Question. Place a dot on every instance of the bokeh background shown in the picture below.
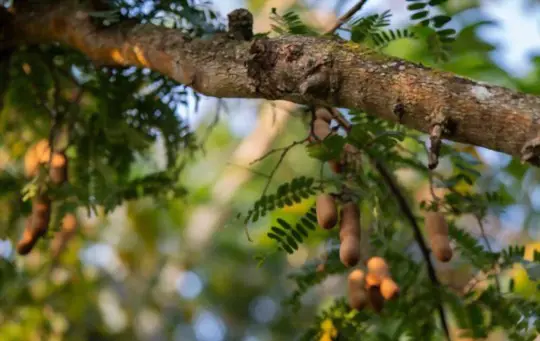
(184, 269)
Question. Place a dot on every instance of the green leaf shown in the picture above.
(416, 6)
(301, 229)
(278, 231)
(440, 20)
(297, 236)
(447, 32)
(419, 15)
(307, 223)
(292, 242)
(283, 223)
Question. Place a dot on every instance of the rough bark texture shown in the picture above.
(301, 69)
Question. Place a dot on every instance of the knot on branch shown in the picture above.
(241, 24)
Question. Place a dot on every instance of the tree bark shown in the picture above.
(301, 69)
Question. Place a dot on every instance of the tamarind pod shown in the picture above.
(41, 214)
(43, 151)
(31, 162)
(389, 289)
(440, 246)
(437, 230)
(350, 221)
(69, 225)
(349, 234)
(58, 169)
(357, 293)
(321, 129)
(350, 149)
(349, 251)
(376, 300)
(378, 266)
(336, 166)
(324, 114)
(373, 280)
(27, 241)
(327, 214)
(356, 279)
(358, 299)
(436, 224)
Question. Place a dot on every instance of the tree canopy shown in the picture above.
(388, 190)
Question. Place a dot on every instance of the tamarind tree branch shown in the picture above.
(405, 208)
(302, 69)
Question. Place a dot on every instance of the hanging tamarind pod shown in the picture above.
(357, 294)
(349, 234)
(58, 168)
(41, 214)
(327, 213)
(28, 240)
(437, 230)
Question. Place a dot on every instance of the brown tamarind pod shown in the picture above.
(336, 166)
(376, 300)
(41, 214)
(324, 114)
(58, 168)
(349, 234)
(350, 221)
(43, 151)
(373, 280)
(349, 251)
(327, 214)
(321, 129)
(378, 267)
(31, 162)
(27, 241)
(389, 289)
(440, 245)
(69, 226)
(437, 230)
(357, 293)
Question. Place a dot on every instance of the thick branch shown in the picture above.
(314, 70)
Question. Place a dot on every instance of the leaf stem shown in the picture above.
(345, 17)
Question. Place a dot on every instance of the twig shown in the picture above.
(210, 128)
(345, 17)
(275, 150)
(404, 206)
(284, 152)
(490, 249)
(261, 174)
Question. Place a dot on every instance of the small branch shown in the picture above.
(210, 128)
(284, 152)
(490, 249)
(275, 150)
(345, 17)
(404, 206)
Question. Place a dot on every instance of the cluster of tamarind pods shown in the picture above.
(377, 285)
(37, 224)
